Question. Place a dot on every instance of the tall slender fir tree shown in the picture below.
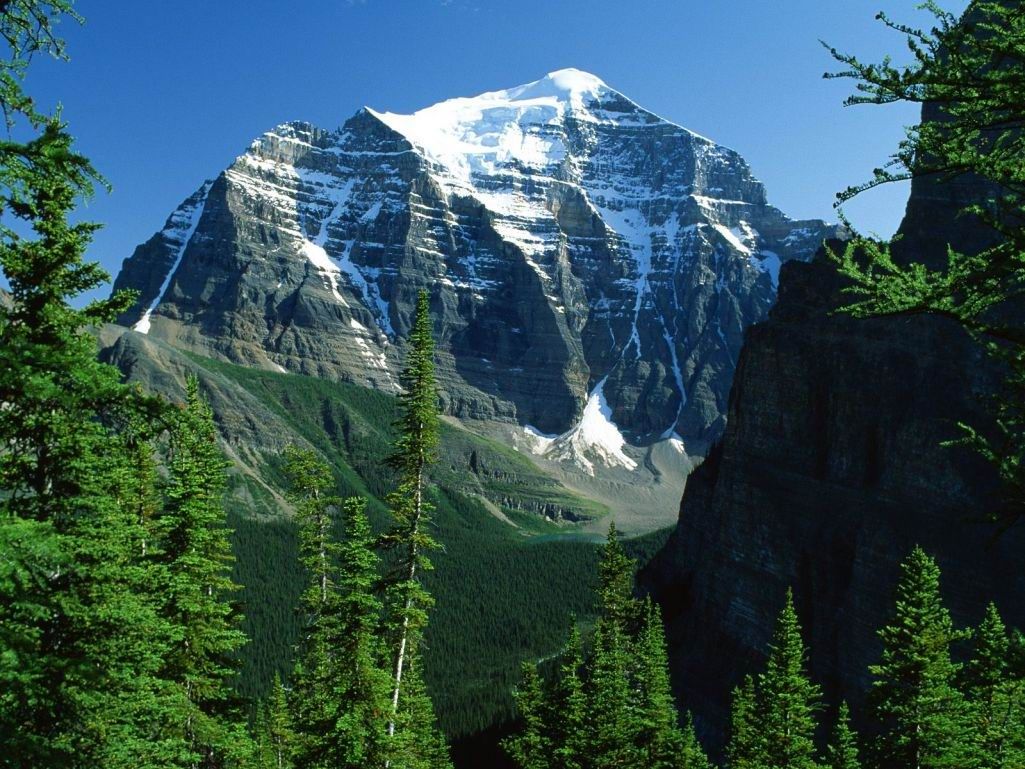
(81, 637)
(996, 696)
(314, 701)
(195, 547)
(786, 700)
(410, 538)
(924, 718)
(842, 751)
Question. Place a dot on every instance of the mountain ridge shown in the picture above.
(580, 250)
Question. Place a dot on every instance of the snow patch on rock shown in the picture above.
(178, 234)
(595, 438)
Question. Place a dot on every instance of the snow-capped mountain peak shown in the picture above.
(592, 265)
(513, 127)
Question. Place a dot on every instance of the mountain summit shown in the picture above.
(592, 266)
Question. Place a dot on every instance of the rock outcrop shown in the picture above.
(579, 250)
(831, 468)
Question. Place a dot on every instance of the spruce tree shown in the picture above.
(842, 751)
(613, 723)
(743, 750)
(996, 694)
(361, 683)
(614, 720)
(568, 708)
(314, 701)
(923, 717)
(614, 709)
(340, 696)
(417, 742)
(692, 755)
(616, 584)
(195, 547)
(81, 637)
(274, 736)
(531, 748)
(410, 537)
(662, 743)
(786, 700)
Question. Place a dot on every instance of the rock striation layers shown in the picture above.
(830, 470)
(587, 259)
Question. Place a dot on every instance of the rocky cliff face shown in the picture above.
(830, 470)
(592, 266)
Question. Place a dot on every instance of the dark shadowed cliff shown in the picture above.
(830, 470)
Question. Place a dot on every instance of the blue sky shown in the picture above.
(164, 95)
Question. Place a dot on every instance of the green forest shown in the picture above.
(361, 604)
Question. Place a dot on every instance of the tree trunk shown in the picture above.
(410, 576)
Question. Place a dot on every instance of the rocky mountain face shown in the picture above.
(830, 470)
(592, 266)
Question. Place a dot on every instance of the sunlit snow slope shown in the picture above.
(592, 265)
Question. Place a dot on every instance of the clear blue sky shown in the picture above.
(162, 95)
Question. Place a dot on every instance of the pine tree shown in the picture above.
(786, 700)
(314, 701)
(616, 584)
(274, 736)
(692, 755)
(417, 742)
(923, 716)
(842, 751)
(410, 537)
(81, 639)
(662, 743)
(196, 550)
(568, 708)
(743, 750)
(340, 698)
(614, 720)
(614, 709)
(361, 684)
(531, 748)
(997, 696)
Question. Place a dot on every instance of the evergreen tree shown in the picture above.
(310, 485)
(274, 738)
(744, 750)
(569, 717)
(614, 720)
(613, 727)
(786, 700)
(842, 751)
(417, 742)
(410, 536)
(531, 748)
(81, 637)
(362, 684)
(340, 698)
(660, 740)
(692, 755)
(616, 584)
(314, 701)
(997, 696)
(614, 709)
(923, 716)
(196, 550)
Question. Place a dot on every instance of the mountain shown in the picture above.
(832, 467)
(592, 266)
